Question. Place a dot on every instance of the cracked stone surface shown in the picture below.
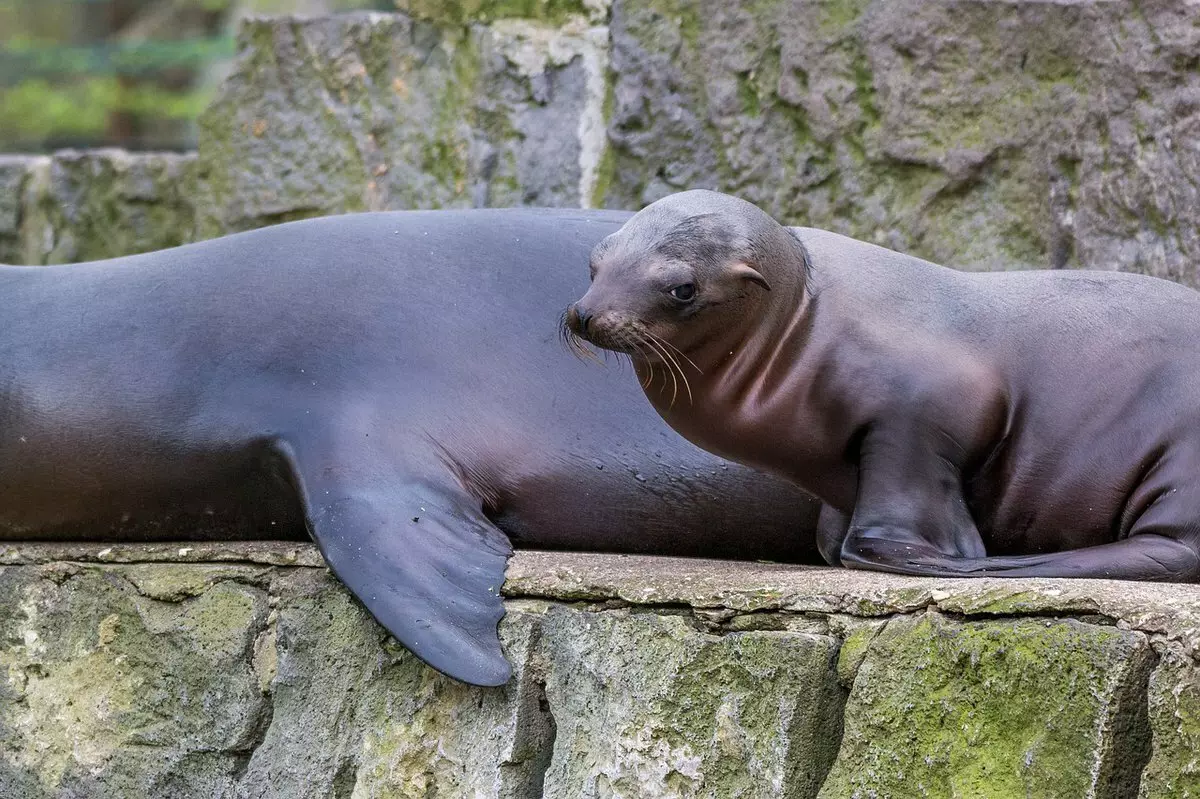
(245, 669)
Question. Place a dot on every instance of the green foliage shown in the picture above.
(25, 58)
(37, 109)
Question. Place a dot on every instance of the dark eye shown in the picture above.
(684, 292)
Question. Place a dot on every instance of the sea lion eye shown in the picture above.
(684, 292)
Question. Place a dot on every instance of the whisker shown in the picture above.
(662, 340)
(669, 362)
(629, 341)
(573, 344)
(662, 344)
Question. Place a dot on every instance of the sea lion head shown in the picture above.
(682, 270)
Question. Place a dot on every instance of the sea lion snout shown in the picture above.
(578, 319)
(602, 327)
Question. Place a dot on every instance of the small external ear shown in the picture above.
(747, 272)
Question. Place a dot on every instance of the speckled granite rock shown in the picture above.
(237, 670)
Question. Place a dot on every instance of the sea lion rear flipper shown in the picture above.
(419, 554)
(1142, 557)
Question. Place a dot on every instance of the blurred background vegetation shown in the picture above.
(124, 73)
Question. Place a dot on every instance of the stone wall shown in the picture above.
(85, 205)
(980, 134)
(247, 670)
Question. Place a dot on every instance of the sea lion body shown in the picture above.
(1023, 423)
(393, 382)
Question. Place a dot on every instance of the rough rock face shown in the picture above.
(86, 205)
(240, 670)
(978, 134)
(374, 111)
(942, 708)
(14, 171)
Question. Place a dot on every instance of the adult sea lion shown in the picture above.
(394, 382)
(1021, 423)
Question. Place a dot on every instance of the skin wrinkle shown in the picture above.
(945, 415)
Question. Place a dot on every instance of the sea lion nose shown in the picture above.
(581, 317)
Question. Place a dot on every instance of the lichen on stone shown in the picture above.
(993, 709)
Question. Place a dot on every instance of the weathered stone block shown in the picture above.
(1174, 768)
(648, 706)
(1021, 708)
(383, 111)
(356, 714)
(87, 205)
(106, 692)
(14, 174)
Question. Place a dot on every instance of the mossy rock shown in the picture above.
(92, 204)
(404, 113)
(462, 12)
(1016, 708)
(1174, 702)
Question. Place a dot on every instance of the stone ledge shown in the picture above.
(238, 669)
(723, 587)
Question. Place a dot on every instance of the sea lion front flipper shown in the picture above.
(418, 552)
(910, 501)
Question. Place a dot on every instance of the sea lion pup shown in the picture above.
(1015, 423)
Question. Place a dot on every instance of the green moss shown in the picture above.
(461, 12)
(836, 16)
(748, 92)
(607, 168)
(690, 24)
(445, 153)
(854, 650)
(864, 90)
(605, 171)
(943, 709)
